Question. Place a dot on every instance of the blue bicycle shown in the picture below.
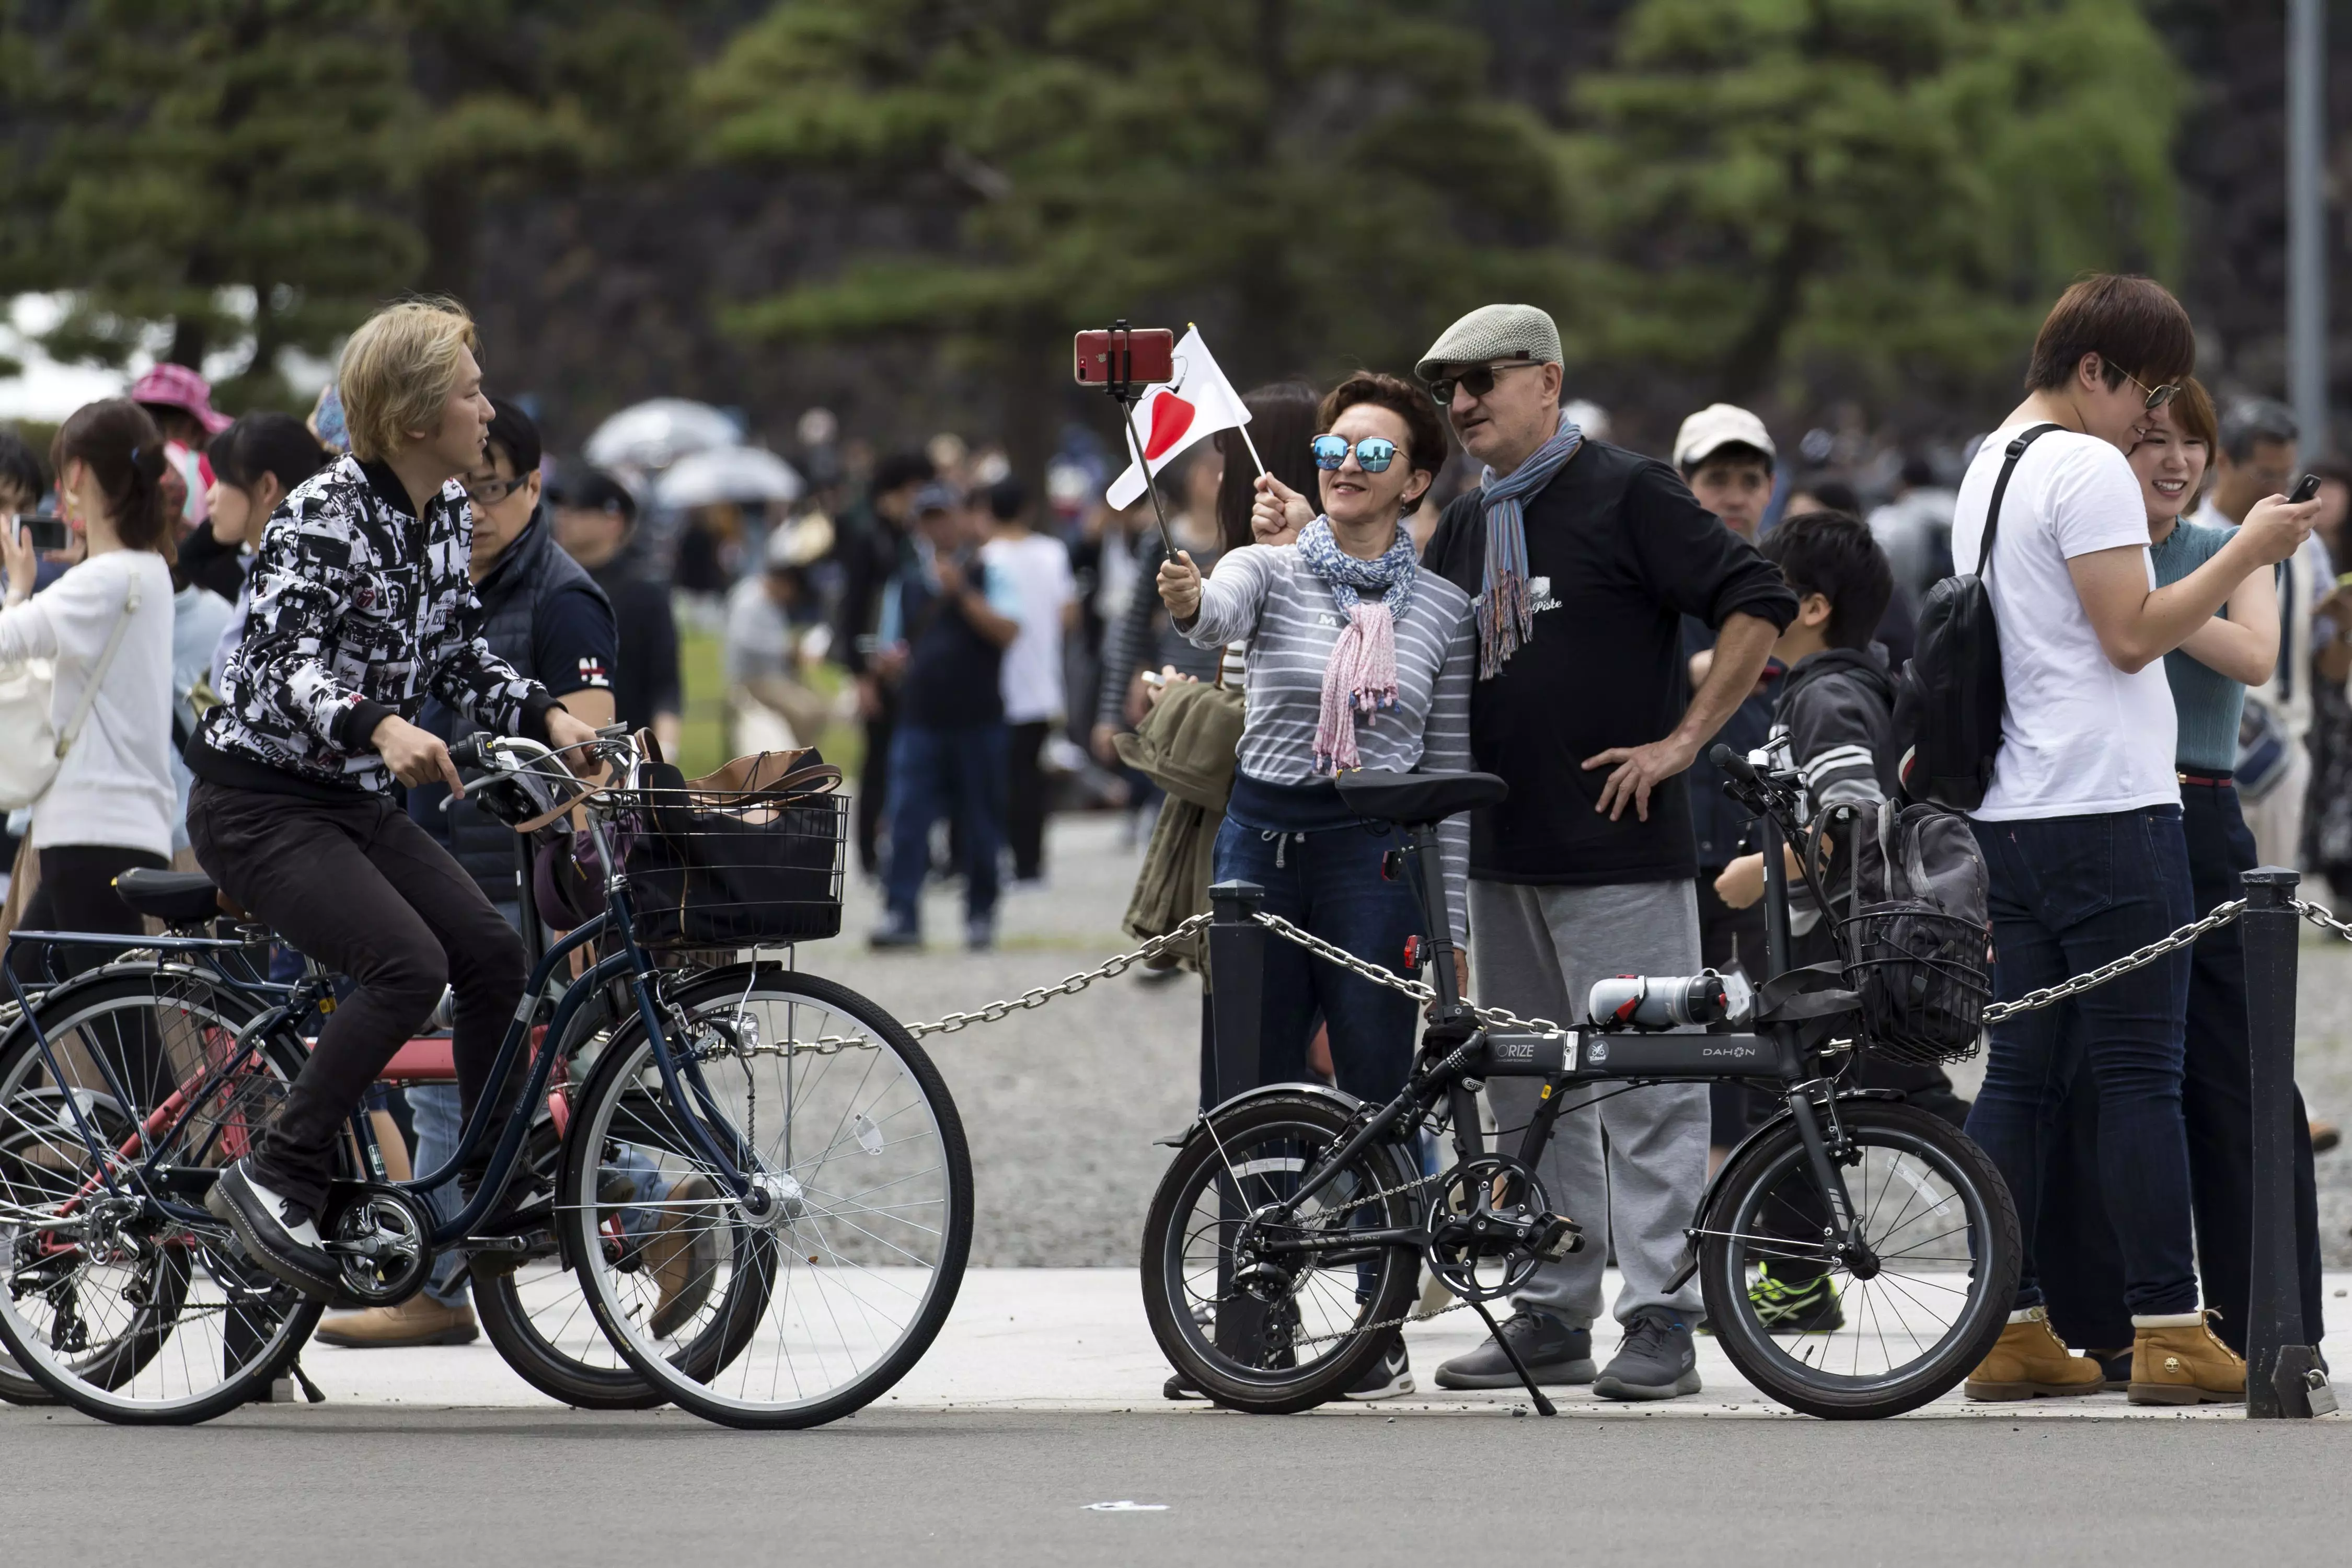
(791, 1146)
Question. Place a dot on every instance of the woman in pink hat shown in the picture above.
(181, 402)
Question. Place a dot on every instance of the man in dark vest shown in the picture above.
(947, 618)
(542, 613)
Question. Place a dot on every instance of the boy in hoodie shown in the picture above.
(1836, 712)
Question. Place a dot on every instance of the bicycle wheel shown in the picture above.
(121, 1309)
(1899, 1318)
(1273, 1331)
(807, 1311)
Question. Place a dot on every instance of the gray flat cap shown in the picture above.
(1493, 332)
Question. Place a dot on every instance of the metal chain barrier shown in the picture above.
(2050, 996)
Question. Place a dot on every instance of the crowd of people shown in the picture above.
(1440, 572)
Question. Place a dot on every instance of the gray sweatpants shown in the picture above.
(1537, 951)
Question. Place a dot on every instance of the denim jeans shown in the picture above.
(2068, 894)
(934, 772)
(1328, 881)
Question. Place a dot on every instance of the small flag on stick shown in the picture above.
(1198, 403)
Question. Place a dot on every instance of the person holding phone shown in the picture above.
(111, 805)
(1358, 659)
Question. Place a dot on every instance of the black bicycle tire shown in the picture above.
(1163, 1238)
(682, 1390)
(242, 1390)
(1722, 1271)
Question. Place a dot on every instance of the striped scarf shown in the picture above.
(1505, 614)
(1360, 679)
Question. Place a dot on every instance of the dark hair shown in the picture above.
(2133, 324)
(1831, 553)
(899, 469)
(584, 489)
(1006, 497)
(125, 451)
(1424, 436)
(278, 444)
(20, 468)
(1917, 471)
(2256, 419)
(1733, 452)
(2192, 412)
(1834, 494)
(1282, 421)
(512, 432)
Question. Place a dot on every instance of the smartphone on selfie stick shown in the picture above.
(1127, 361)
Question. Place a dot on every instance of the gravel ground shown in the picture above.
(1062, 1104)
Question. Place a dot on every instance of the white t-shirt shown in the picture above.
(114, 787)
(1039, 566)
(2079, 736)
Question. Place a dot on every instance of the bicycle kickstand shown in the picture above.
(1510, 1353)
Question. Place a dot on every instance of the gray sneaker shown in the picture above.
(1655, 1360)
(1556, 1355)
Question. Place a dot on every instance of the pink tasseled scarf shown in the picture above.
(1360, 679)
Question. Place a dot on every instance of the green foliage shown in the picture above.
(170, 160)
(1325, 179)
(1868, 189)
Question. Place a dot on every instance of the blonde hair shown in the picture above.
(398, 370)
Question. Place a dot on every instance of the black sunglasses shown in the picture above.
(2157, 396)
(490, 492)
(1478, 381)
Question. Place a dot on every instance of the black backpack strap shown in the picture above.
(2000, 488)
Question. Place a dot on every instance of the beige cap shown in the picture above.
(1718, 425)
(1492, 332)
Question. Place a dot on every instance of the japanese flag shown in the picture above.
(1200, 402)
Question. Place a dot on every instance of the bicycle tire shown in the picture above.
(98, 1387)
(1769, 1176)
(623, 1106)
(1272, 1121)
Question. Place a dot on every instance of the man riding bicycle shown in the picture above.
(362, 607)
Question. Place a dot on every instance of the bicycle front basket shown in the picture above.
(1924, 980)
(736, 866)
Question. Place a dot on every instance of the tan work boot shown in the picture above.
(2031, 1361)
(419, 1321)
(682, 1255)
(2177, 1358)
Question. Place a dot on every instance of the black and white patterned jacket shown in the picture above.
(360, 610)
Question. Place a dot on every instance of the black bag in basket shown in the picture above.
(1915, 934)
(750, 854)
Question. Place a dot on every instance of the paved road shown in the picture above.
(519, 1488)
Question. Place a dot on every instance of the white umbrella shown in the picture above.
(657, 433)
(740, 474)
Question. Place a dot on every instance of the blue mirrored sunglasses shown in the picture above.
(1373, 454)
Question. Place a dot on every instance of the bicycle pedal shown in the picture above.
(1560, 1236)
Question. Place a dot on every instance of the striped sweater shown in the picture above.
(1266, 594)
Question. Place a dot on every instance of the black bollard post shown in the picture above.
(2277, 1360)
(1237, 987)
(1237, 984)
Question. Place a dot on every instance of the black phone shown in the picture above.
(49, 531)
(2304, 488)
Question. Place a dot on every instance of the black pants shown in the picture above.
(1025, 799)
(873, 787)
(1728, 939)
(362, 888)
(76, 893)
(2076, 1250)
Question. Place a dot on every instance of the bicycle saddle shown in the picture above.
(1409, 800)
(175, 898)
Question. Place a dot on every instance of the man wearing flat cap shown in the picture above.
(1583, 559)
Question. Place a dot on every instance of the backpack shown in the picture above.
(1915, 942)
(1948, 702)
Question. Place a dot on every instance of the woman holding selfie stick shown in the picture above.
(1357, 660)
(108, 621)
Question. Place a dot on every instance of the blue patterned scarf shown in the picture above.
(1389, 574)
(1360, 679)
(1505, 614)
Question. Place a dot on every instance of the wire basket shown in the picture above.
(1924, 979)
(723, 869)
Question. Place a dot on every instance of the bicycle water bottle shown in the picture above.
(1668, 1002)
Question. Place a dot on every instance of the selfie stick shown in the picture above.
(1126, 394)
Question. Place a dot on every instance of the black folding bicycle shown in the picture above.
(1285, 1241)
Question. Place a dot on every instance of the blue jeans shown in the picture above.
(2068, 894)
(1328, 881)
(934, 772)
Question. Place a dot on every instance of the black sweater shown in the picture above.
(1618, 552)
